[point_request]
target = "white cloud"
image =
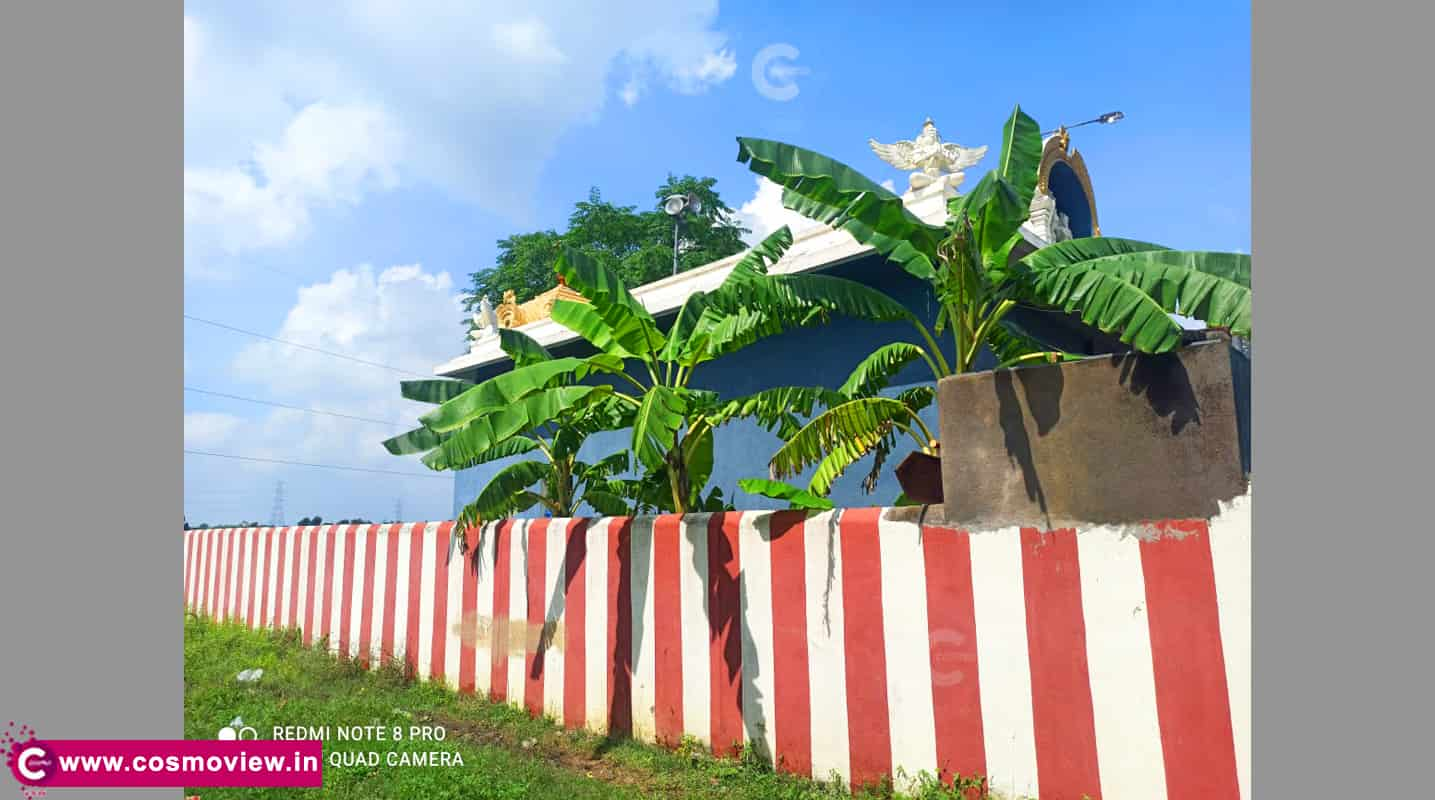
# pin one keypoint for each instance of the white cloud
(204, 430)
(527, 42)
(689, 61)
(403, 317)
(478, 96)
(764, 213)
(631, 91)
(328, 156)
(889, 185)
(714, 68)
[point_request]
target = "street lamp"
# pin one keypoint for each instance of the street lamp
(679, 206)
(1108, 118)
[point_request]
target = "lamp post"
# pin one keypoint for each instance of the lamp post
(679, 206)
(1109, 118)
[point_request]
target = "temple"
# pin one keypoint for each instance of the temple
(1064, 207)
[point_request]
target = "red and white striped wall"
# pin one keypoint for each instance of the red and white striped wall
(1105, 662)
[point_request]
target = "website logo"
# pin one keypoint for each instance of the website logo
(773, 72)
(154, 763)
(31, 761)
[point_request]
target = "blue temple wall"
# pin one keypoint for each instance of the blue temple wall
(818, 356)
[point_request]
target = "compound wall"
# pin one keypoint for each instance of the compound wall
(1108, 662)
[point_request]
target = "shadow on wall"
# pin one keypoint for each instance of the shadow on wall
(736, 711)
(1166, 384)
(1162, 380)
(1043, 393)
(1118, 438)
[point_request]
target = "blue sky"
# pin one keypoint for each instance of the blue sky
(346, 168)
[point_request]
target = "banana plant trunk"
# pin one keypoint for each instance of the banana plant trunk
(679, 481)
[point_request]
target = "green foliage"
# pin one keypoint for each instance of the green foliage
(472, 444)
(536, 407)
(797, 497)
(926, 786)
(837, 195)
(704, 237)
(505, 752)
(524, 266)
(1111, 280)
(615, 314)
(204, 526)
(672, 423)
(874, 372)
(1125, 288)
(635, 246)
(840, 436)
(498, 392)
(433, 391)
(418, 440)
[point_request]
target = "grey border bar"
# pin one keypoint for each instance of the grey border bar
(90, 225)
(1341, 401)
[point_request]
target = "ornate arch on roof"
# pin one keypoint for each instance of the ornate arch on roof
(1062, 176)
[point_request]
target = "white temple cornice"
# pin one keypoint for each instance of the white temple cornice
(1064, 206)
(814, 249)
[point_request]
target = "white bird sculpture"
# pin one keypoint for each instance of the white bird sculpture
(930, 156)
(485, 322)
(485, 311)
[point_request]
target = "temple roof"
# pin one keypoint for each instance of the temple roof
(814, 249)
(818, 248)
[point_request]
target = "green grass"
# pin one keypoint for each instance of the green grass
(506, 754)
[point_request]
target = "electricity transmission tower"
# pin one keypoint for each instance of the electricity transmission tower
(276, 516)
(398, 509)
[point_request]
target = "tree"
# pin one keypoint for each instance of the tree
(524, 265)
(636, 246)
(1119, 286)
(711, 234)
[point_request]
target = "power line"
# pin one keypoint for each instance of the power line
(305, 347)
(320, 466)
(291, 408)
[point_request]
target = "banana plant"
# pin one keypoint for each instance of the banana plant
(1122, 287)
(567, 483)
(541, 405)
(547, 413)
(673, 423)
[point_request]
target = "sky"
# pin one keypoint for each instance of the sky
(347, 165)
